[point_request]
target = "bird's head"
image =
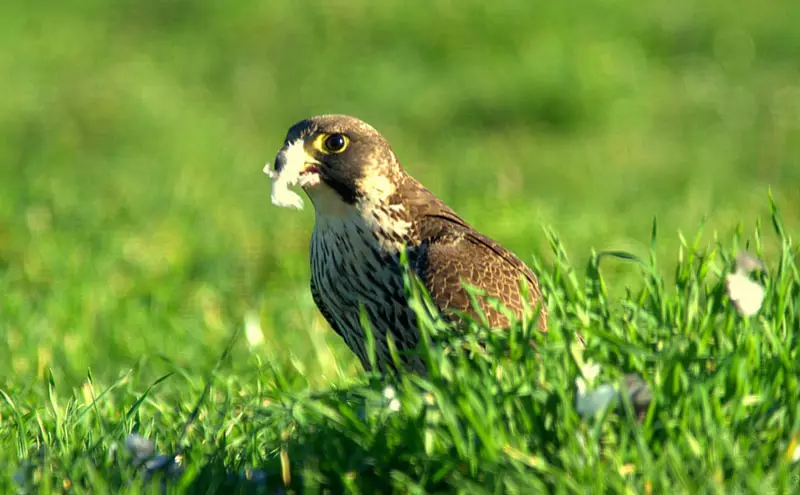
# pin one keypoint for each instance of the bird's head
(339, 161)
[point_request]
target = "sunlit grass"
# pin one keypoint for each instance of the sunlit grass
(136, 234)
(498, 417)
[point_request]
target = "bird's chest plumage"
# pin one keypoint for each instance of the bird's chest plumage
(353, 266)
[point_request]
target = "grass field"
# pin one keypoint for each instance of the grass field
(137, 239)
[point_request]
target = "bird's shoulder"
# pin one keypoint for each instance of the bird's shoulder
(450, 252)
(449, 238)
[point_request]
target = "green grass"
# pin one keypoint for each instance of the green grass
(136, 238)
(725, 413)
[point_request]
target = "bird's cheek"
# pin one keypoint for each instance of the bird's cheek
(340, 184)
(328, 202)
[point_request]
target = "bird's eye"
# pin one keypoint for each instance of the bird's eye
(335, 143)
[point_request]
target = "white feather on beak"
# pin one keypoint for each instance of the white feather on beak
(298, 168)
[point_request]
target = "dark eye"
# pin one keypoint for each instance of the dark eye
(336, 143)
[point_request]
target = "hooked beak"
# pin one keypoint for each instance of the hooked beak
(296, 166)
(293, 166)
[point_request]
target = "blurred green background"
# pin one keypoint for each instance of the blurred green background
(135, 220)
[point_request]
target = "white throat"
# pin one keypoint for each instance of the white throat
(379, 228)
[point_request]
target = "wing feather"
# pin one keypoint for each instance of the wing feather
(454, 252)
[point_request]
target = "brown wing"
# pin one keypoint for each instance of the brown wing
(453, 252)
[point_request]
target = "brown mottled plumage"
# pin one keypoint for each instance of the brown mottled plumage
(367, 210)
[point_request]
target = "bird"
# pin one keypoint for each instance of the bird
(368, 213)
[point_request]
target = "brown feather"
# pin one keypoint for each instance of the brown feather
(456, 253)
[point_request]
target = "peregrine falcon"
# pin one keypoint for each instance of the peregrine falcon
(368, 209)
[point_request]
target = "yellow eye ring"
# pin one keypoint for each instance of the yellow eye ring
(332, 144)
